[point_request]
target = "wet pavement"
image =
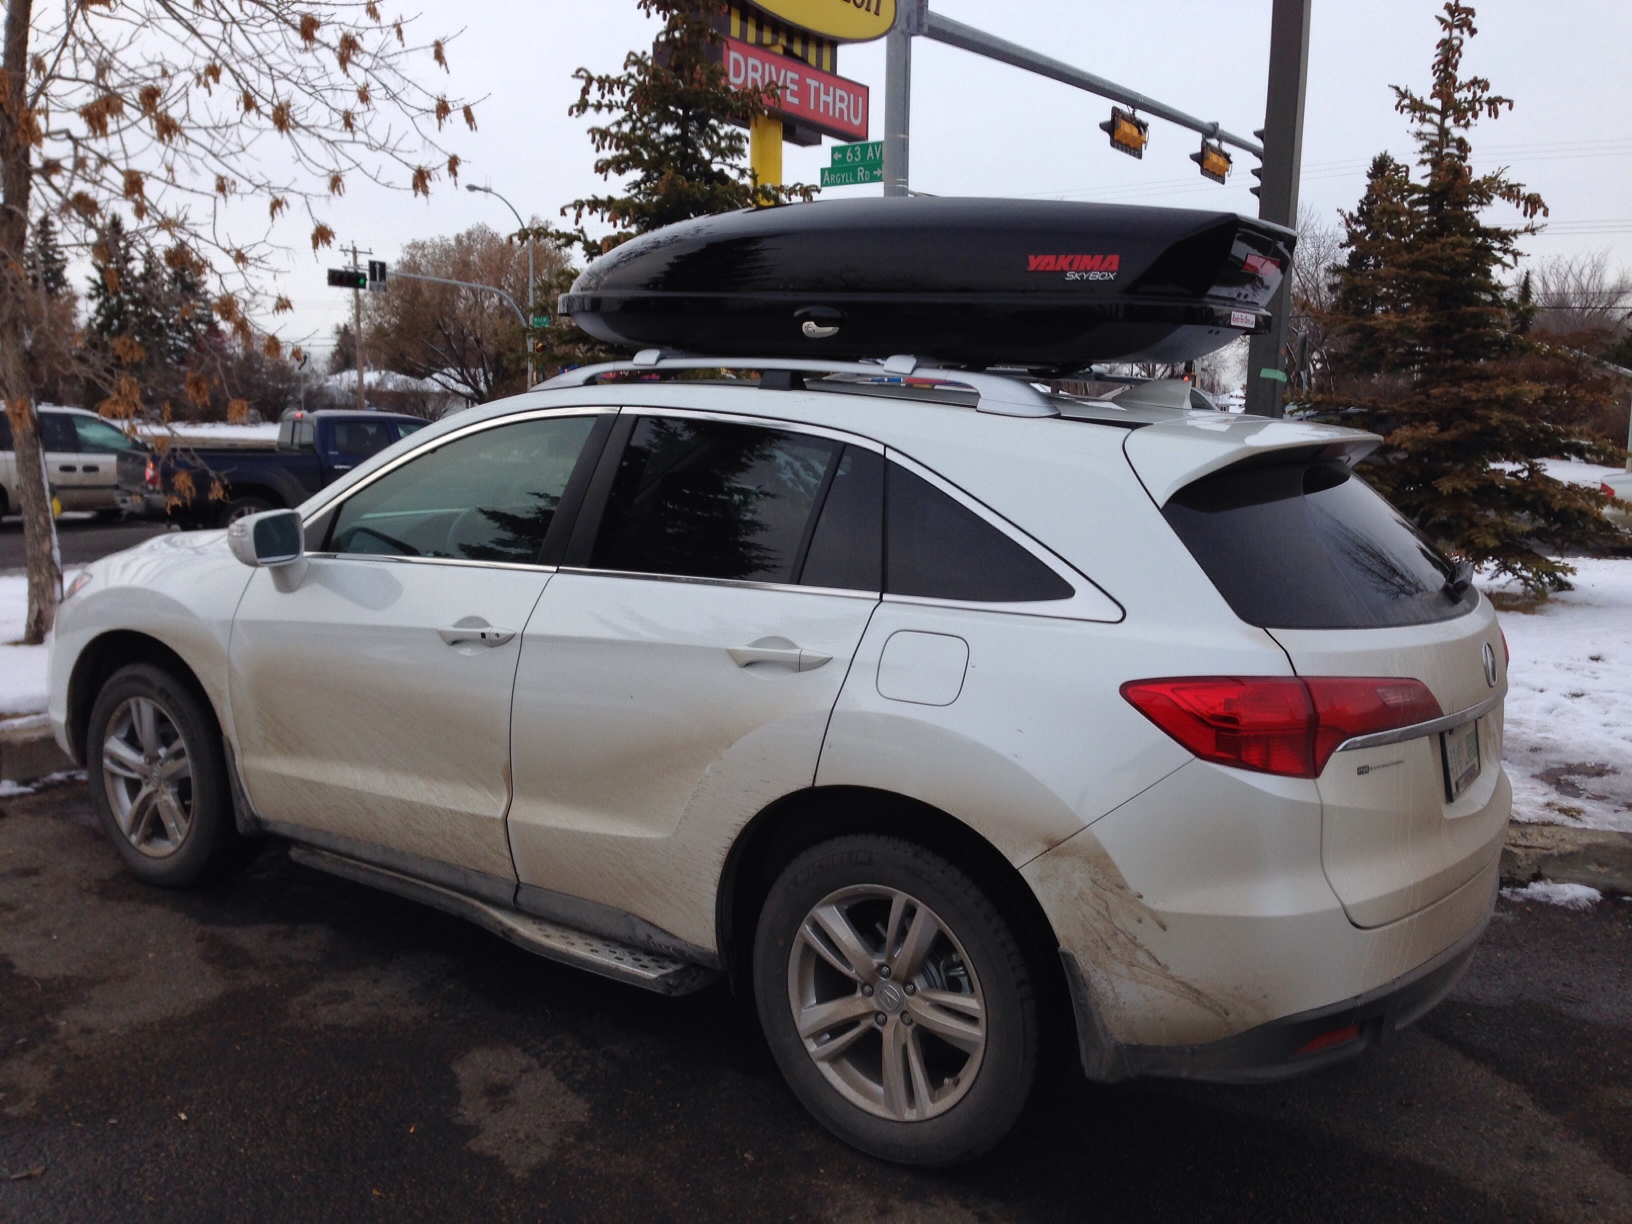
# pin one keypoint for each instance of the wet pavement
(290, 1046)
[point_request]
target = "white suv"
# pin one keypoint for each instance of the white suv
(937, 710)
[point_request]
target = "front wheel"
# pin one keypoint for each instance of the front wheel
(896, 1000)
(159, 779)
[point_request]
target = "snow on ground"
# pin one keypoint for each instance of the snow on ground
(1574, 471)
(1569, 896)
(1568, 745)
(22, 668)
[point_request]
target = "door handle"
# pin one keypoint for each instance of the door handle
(91, 467)
(479, 632)
(340, 467)
(66, 467)
(777, 650)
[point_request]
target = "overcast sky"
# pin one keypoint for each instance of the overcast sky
(980, 128)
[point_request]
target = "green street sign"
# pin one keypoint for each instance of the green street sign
(852, 176)
(867, 153)
(541, 320)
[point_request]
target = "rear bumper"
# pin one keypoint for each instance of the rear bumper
(1279, 1049)
(142, 505)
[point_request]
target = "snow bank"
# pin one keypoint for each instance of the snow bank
(1569, 702)
(22, 668)
(1568, 896)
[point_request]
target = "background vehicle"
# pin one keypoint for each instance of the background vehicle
(1619, 490)
(81, 459)
(313, 449)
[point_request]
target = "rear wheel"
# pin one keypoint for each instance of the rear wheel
(240, 507)
(159, 779)
(896, 1000)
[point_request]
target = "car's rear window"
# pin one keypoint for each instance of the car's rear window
(1312, 546)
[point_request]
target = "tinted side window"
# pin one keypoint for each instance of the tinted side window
(710, 499)
(362, 438)
(847, 548)
(1300, 546)
(936, 548)
(5, 431)
(489, 496)
(57, 433)
(404, 428)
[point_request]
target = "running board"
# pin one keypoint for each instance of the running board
(653, 971)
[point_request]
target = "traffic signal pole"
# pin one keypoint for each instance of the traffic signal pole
(357, 331)
(1278, 197)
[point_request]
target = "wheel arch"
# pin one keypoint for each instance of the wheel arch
(105, 655)
(805, 818)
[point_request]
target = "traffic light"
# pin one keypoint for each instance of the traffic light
(376, 275)
(1257, 172)
(348, 278)
(1214, 162)
(1128, 132)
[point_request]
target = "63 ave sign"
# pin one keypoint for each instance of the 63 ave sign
(845, 20)
(806, 95)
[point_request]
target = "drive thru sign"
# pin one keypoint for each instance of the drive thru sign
(805, 95)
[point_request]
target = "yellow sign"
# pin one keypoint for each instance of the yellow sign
(845, 20)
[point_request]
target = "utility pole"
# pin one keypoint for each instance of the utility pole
(357, 327)
(897, 105)
(1278, 197)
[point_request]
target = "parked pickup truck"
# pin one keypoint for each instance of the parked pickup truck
(313, 449)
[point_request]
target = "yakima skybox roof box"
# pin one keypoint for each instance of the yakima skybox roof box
(1041, 284)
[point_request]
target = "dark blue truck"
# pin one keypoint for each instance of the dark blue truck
(313, 449)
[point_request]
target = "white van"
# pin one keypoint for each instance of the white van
(81, 451)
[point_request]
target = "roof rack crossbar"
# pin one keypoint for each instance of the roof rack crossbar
(1000, 394)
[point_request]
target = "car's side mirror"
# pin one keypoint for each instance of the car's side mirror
(271, 538)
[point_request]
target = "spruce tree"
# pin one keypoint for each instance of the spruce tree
(47, 265)
(676, 128)
(1429, 348)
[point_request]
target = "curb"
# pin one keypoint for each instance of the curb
(1598, 858)
(28, 751)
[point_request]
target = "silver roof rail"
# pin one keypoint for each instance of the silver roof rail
(1001, 394)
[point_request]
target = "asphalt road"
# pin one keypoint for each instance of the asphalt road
(289, 1046)
(82, 539)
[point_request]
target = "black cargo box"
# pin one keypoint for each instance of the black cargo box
(977, 282)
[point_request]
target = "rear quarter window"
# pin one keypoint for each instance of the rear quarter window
(1312, 546)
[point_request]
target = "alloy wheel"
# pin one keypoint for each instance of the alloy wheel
(148, 776)
(887, 1003)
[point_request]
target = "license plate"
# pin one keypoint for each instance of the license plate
(1459, 749)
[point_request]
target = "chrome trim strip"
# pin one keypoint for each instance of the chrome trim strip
(459, 561)
(767, 421)
(740, 583)
(1433, 726)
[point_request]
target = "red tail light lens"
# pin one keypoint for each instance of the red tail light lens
(1278, 724)
(151, 475)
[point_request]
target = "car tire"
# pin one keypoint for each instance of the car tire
(158, 778)
(894, 1085)
(240, 507)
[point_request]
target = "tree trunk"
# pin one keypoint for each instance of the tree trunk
(16, 381)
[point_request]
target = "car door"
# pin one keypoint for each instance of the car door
(99, 443)
(678, 674)
(354, 440)
(371, 698)
(62, 461)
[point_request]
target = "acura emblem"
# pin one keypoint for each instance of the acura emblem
(1490, 665)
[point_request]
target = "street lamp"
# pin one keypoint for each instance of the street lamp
(532, 298)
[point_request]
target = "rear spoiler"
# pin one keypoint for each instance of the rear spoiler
(1170, 455)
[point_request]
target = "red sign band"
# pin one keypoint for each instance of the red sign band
(806, 95)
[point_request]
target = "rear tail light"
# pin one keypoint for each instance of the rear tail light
(1606, 490)
(1278, 724)
(151, 475)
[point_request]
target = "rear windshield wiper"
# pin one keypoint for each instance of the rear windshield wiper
(1458, 582)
